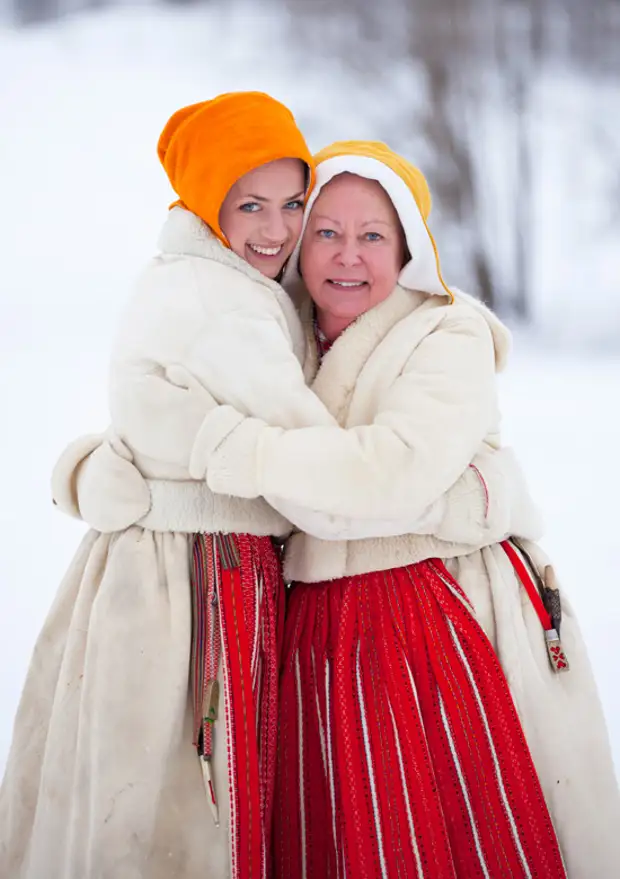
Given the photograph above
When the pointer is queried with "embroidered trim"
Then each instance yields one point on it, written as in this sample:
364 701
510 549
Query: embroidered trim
530 582
323 344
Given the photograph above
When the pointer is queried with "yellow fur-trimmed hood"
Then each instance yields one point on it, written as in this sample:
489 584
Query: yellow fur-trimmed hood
409 192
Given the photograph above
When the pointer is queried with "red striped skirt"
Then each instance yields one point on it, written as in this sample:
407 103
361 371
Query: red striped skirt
401 753
238 603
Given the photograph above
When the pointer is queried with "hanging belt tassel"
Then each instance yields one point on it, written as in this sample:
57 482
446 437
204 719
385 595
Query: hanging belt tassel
206 650
228 551
545 597
209 716
210 787
551 597
210 703
557 657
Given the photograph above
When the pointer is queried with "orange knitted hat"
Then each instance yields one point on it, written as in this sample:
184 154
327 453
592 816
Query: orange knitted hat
205 148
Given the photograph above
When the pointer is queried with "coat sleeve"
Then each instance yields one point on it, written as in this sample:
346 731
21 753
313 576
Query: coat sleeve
426 432
246 360
489 501
244 353
193 337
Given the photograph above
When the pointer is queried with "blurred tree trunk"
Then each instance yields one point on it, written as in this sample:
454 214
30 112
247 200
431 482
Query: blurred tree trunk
445 40
35 11
521 46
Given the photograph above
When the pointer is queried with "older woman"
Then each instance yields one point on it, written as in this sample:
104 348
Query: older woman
402 753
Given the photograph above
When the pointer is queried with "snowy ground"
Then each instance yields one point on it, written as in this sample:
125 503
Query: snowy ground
81 107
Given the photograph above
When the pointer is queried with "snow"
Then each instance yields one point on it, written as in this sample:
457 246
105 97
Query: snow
82 104
558 415
575 240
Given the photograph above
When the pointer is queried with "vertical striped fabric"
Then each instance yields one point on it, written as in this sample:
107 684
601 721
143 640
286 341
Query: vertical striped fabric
401 752
238 599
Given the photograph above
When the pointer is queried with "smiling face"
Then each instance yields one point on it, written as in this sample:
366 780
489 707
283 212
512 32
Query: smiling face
263 212
352 251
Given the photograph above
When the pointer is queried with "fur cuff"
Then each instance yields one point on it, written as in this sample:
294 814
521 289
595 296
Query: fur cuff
489 502
465 516
233 467
217 425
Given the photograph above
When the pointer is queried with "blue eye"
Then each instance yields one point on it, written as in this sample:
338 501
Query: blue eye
373 236
295 205
326 233
250 207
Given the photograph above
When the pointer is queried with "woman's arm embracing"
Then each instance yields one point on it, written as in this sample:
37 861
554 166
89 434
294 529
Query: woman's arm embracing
427 428
194 334
489 502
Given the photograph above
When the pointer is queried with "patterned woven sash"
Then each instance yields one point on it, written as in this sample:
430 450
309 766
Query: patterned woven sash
237 599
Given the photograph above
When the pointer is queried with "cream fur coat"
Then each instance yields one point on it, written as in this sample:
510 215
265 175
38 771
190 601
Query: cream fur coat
102 781
411 376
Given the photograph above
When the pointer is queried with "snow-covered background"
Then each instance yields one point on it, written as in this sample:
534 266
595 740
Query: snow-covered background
82 103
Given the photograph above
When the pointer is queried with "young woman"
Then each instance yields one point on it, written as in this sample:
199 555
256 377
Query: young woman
430 723
99 781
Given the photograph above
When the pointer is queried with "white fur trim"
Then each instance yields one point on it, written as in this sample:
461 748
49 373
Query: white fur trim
215 428
191 508
502 337
234 466
95 480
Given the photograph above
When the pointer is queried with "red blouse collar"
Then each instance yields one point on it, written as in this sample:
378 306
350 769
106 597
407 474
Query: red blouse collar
323 344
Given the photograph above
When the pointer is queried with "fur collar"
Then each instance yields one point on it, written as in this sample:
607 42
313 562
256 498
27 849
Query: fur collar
342 363
335 380
502 337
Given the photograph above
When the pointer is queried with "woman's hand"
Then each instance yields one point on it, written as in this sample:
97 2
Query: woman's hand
96 480
242 435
